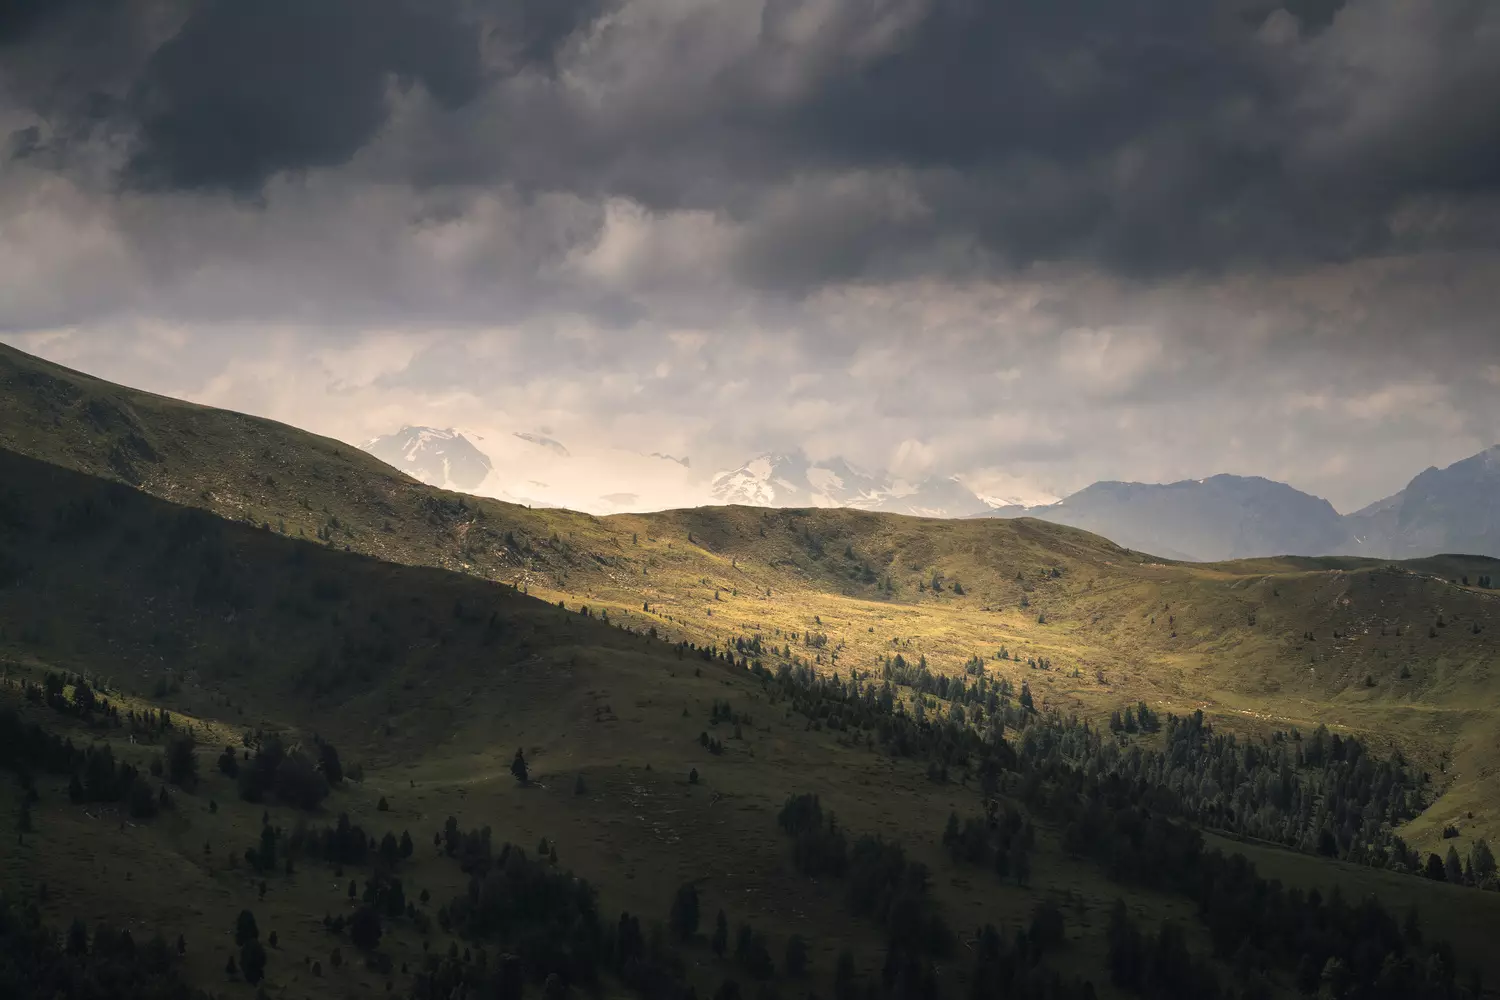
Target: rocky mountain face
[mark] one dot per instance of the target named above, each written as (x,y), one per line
(1222,517)
(442,458)
(1456,509)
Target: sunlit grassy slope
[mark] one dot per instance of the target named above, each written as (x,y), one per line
(1401,652)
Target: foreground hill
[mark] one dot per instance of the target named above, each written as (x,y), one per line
(279,592)
(165,634)
(1400,652)
(426,681)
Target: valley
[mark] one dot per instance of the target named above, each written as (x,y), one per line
(252,579)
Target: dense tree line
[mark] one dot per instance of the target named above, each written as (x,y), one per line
(546,925)
(1321,793)
(1253,923)
(1116,800)
(95,775)
(1013,968)
(88,704)
(287,773)
(107,964)
(347,844)
(1115,821)
(1002,840)
(819,846)
(1158,964)
(874,713)
(881,882)
(1137,719)
(546,917)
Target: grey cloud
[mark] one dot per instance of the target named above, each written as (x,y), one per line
(244,91)
(1266,378)
(222,95)
(858,141)
(541,440)
(1073,239)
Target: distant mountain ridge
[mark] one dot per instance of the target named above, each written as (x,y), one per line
(1454,509)
(442,458)
(1221,517)
(1450,510)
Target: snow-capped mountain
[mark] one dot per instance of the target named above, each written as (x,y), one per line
(791,480)
(534,468)
(776,480)
(443,458)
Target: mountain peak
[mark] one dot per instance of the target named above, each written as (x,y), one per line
(1224,516)
(436,456)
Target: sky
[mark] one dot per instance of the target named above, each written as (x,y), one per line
(1033,243)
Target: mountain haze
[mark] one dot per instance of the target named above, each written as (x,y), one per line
(1206,520)
(1455,509)
(792,480)
(1203,520)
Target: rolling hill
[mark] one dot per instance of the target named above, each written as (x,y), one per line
(427,681)
(252,578)
(1228,637)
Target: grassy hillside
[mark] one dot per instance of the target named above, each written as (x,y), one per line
(427,680)
(1352,643)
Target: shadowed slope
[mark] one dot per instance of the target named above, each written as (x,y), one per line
(1350,642)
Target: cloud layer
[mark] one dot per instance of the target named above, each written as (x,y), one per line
(1064,241)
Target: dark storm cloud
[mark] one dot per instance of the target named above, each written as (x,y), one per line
(1164,136)
(234,93)
(850,140)
(1149,138)
(244,91)
(1048,241)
